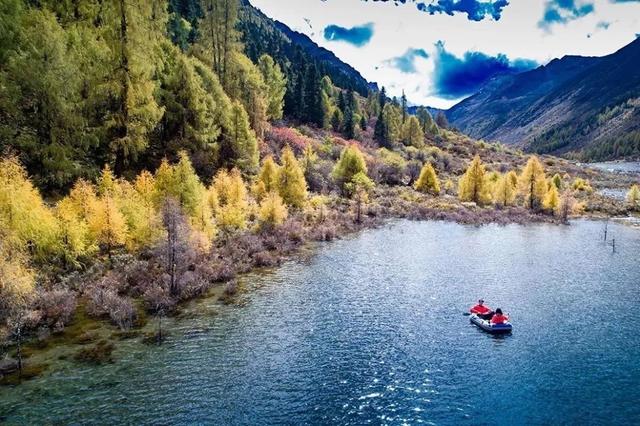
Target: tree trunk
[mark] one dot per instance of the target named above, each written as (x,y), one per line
(124,89)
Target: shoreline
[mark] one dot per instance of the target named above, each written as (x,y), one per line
(95,338)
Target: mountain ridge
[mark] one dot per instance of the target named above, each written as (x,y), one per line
(564,107)
(263,34)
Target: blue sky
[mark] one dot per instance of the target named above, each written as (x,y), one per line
(440,51)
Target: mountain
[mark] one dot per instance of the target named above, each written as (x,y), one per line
(584,107)
(261,34)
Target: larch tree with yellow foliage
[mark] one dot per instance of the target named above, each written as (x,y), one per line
(141,217)
(232,198)
(412,134)
(292,185)
(633,197)
(533,183)
(351,163)
(16,279)
(187,184)
(268,179)
(504,191)
(473,185)
(552,199)
(29,223)
(107,225)
(74,232)
(359,187)
(428,180)
(272,212)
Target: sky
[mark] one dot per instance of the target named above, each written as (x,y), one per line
(441,51)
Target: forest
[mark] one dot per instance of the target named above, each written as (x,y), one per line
(152,150)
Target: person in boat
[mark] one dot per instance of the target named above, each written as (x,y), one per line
(499,317)
(481,310)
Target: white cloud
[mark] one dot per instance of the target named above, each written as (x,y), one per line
(398,28)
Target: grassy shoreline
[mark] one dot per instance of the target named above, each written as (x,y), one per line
(92,339)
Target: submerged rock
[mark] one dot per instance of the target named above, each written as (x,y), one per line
(8,366)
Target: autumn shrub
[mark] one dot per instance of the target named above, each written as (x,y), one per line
(57,307)
(582,185)
(392,167)
(286,136)
(106,302)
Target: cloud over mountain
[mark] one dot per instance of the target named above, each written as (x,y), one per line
(406,62)
(357,36)
(455,77)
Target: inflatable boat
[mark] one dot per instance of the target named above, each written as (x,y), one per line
(490,328)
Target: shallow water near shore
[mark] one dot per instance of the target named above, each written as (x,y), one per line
(370,329)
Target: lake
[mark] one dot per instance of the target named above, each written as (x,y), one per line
(370,329)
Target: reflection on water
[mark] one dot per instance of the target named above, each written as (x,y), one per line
(370,330)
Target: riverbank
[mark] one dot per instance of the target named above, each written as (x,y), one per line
(89,336)
(353,329)
(128,282)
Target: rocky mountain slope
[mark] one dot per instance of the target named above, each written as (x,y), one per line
(583,107)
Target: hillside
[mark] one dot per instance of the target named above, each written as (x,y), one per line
(262,34)
(581,107)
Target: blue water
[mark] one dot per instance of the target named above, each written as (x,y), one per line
(370,330)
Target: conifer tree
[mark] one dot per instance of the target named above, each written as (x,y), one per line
(74,232)
(26,221)
(351,162)
(403,103)
(83,198)
(504,192)
(17,280)
(473,185)
(342,103)
(191,120)
(348,124)
(202,220)
(131,34)
(428,180)
(380,132)
(392,123)
(359,188)
(533,184)
(382,98)
(513,179)
(240,148)
(276,83)
(272,211)
(107,225)
(188,186)
(292,186)
(268,178)
(312,97)
(557,181)
(441,120)
(426,122)
(336,120)
(552,199)
(412,134)
(141,218)
(246,85)
(232,198)
(633,197)
(107,182)
(219,35)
